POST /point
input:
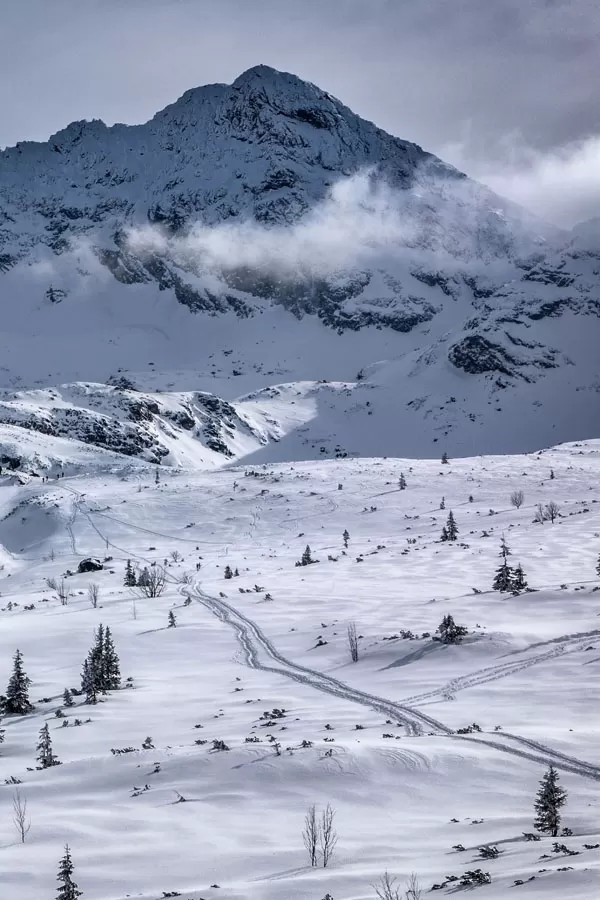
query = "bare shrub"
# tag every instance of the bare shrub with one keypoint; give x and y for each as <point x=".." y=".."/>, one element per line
<point x="52" y="583"/>
<point x="175" y="556"/>
<point x="310" y="834"/>
<point x="353" y="642"/>
<point x="413" y="888"/>
<point x="152" y="582"/>
<point x="93" y="594"/>
<point x="540" y="514"/>
<point x="552" y="511"/>
<point x="327" y="835"/>
<point x="387" y="887"/>
<point x="21" y="820"/>
<point x="62" y="592"/>
<point x="517" y="498"/>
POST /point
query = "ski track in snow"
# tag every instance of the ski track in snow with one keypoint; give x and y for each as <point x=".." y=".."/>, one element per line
<point x="252" y="640"/>
<point x="494" y="673"/>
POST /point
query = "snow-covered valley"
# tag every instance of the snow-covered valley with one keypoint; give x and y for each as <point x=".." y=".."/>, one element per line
<point x="261" y="662"/>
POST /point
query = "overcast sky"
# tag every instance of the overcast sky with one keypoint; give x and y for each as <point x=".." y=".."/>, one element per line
<point x="505" y="89"/>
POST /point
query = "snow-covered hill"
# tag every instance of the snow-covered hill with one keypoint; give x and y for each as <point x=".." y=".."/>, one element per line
<point x="193" y="779"/>
<point x="260" y="234"/>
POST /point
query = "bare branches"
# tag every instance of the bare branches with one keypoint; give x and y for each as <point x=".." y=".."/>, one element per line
<point x="517" y="498"/>
<point x="413" y="888"/>
<point x="20" y="818"/>
<point x="320" y="837"/>
<point x="328" y="835"/>
<point x="310" y="835"/>
<point x="353" y="642"/>
<point x="552" y="511"/>
<point x="386" y="888"/>
<point x="93" y="594"/>
<point x="152" y="582"/>
<point x="62" y="591"/>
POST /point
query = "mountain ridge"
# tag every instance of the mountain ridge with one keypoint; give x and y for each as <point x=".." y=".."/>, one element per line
<point x="239" y="214"/>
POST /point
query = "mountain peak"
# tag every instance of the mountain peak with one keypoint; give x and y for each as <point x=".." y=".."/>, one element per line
<point x="260" y="73"/>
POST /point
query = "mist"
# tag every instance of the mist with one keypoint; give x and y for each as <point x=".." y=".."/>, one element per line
<point x="359" y="219"/>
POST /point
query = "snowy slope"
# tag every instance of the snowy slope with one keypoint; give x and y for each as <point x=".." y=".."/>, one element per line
<point x="261" y="234"/>
<point x="383" y="746"/>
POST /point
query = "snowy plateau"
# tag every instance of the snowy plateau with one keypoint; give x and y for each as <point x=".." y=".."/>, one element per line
<point x="308" y="420"/>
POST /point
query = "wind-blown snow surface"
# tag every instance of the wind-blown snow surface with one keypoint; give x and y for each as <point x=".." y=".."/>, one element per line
<point x="528" y="674"/>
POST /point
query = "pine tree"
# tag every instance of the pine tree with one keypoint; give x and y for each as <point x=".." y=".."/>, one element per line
<point x="68" y="697"/>
<point x="504" y="580"/>
<point x="598" y="567"/>
<point x="17" y="692"/>
<point x="156" y="476"/>
<point x="96" y="659"/>
<point x="68" y="890"/>
<point x="444" y="534"/>
<point x="443" y="503"/>
<point x="451" y="527"/>
<point x="346" y="537"/>
<point x="130" y="579"/>
<point x="1" y="731"/>
<point x="519" y="582"/>
<point x="549" y="801"/>
<point x="228" y="573"/>
<point x="306" y="557"/>
<point x="172" y="619"/>
<point x="402" y="482"/>
<point x="46" y="757"/>
<point x="88" y="682"/>
<point x="504" y="548"/>
<point x="111" y="670"/>
<point x="450" y="632"/>
<point x="445" y="458"/>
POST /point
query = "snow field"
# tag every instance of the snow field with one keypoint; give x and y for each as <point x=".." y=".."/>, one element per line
<point x="531" y="668"/>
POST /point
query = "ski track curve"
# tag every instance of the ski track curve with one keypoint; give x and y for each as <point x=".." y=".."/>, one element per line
<point x="252" y="640"/>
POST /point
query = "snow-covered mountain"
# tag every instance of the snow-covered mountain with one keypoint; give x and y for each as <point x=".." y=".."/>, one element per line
<point x="259" y="235"/>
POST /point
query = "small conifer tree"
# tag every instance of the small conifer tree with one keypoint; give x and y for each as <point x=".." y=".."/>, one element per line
<point x="307" y="557"/>
<point x="519" y="582"/>
<point x="111" y="671"/>
<point x="445" y="458"/>
<point x="130" y="579"/>
<point x="598" y="567"/>
<point x="548" y="804"/>
<point x="68" y="697"/>
<point x="503" y="580"/>
<point x="402" y="482"/>
<point x="46" y="757"/>
<point x="172" y="619"/>
<point x="228" y="572"/>
<point x="88" y="682"/>
<point x="444" y="536"/>
<point x="443" y="503"/>
<point x="450" y="632"/>
<point x="346" y="537"/>
<point x="67" y="890"/>
<point x="17" y="693"/>
<point x="451" y="527"/>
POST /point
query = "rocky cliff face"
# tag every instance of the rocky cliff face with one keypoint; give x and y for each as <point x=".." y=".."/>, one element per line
<point x="266" y="221"/>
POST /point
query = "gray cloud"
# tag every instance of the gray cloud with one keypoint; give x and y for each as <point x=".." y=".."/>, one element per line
<point x="462" y="75"/>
